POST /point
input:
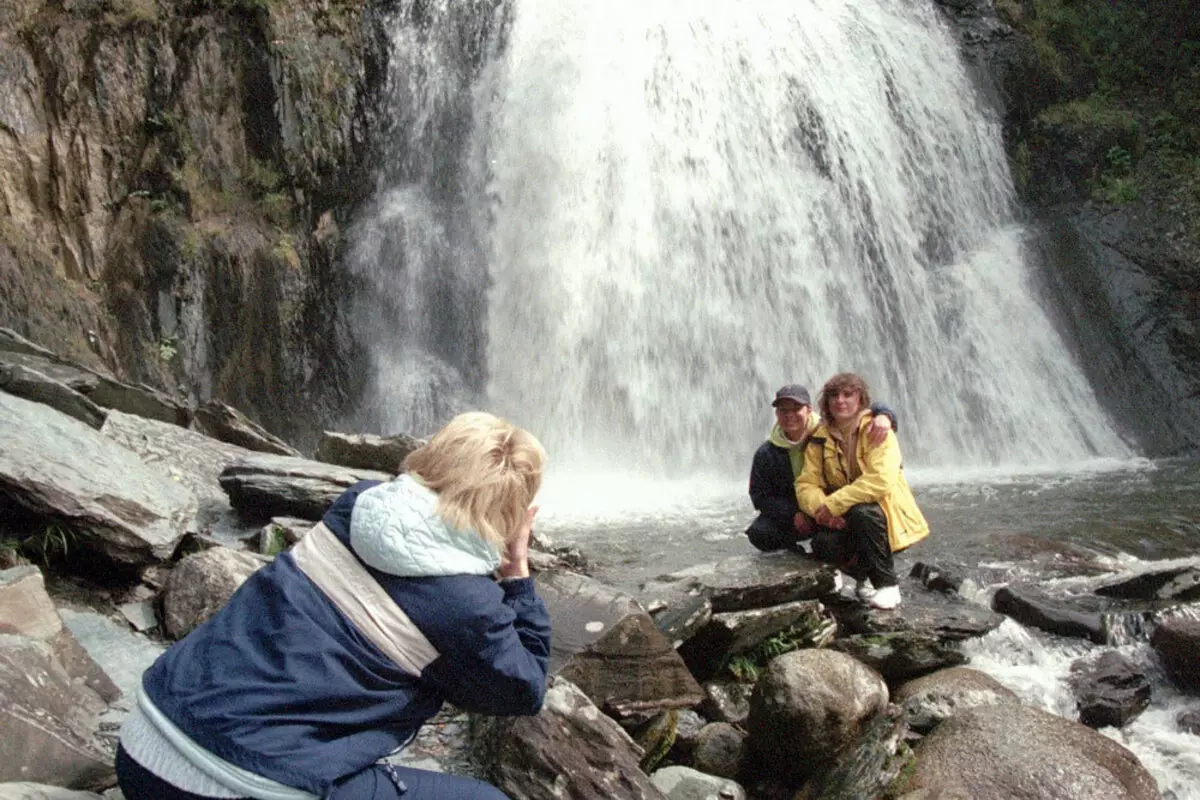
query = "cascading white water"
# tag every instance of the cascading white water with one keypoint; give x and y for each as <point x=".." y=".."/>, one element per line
<point x="685" y="205"/>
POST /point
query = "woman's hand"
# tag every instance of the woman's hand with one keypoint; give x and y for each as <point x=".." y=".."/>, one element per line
<point x="514" y="560"/>
<point x="880" y="425"/>
<point x="825" y="517"/>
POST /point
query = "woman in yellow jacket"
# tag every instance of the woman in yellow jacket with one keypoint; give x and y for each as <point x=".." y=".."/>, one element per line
<point x="857" y="494"/>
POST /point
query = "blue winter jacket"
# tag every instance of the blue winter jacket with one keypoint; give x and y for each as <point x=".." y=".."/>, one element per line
<point x="282" y="682"/>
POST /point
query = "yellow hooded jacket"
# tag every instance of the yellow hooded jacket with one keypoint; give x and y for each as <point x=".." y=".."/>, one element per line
<point x="825" y="481"/>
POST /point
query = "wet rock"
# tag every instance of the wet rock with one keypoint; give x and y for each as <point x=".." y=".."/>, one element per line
<point x="656" y="737"/>
<point x="201" y="585"/>
<point x="545" y="556"/>
<point x="679" y="607"/>
<point x="99" y="388"/>
<point x="727" y="701"/>
<point x="900" y="656"/>
<point x="758" y="580"/>
<point x="930" y="700"/>
<point x="806" y="707"/>
<point x="189" y="458"/>
<point x="56" y="466"/>
<point x="866" y="767"/>
<point x="140" y="615"/>
<point x="27" y="610"/>
<point x="264" y="485"/>
<point x="683" y="783"/>
<point x="366" y="450"/>
<point x="687" y="727"/>
<point x="607" y="645"/>
<point x="1051" y="614"/>
<point x="38" y="388"/>
<point x="720" y="750"/>
<point x="1003" y="751"/>
<point x="1181" y="583"/>
<point x="1189" y="721"/>
<point x="735" y="632"/>
<point x="939" y="577"/>
<point x="1109" y="690"/>
<point x="569" y="751"/>
<point x="48" y="728"/>
<point x="1177" y="642"/>
<point x="225" y="423"/>
<point x="40" y="791"/>
<point x="947" y="618"/>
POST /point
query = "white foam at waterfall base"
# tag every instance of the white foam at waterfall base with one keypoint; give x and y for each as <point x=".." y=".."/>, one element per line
<point x="686" y="205"/>
<point x="1035" y="666"/>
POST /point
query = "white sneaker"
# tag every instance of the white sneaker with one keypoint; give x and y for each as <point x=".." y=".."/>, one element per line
<point x="838" y="583"/>
<point x="864" y="591"/>
<point x="886" y="598"/>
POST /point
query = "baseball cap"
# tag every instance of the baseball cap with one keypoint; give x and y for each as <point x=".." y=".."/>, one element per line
<point x="793" y="391"/>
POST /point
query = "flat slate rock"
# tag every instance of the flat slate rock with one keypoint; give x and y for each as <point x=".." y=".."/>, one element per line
<point x="945" y="617"/>
<point x="1180" y="582"/>
<point x="758" y="580"/>
<point x="1058" y="615"/>
<point x="59" y="467"/>
<point x="606" y="644"/>
<point x="33" y="385"/>
<point x="224" y="422"/>
<point x="262" y="485"/>
<point x="366" y="450"/>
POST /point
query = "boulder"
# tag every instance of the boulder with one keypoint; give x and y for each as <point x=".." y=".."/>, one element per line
<point x="101" y="389"/>
<point x="189" y="458"/>
<point x="27" y="610"/>
<point x="1110" y="690"/>
<point x="947" y="618"/>
<point x="930" y="700"/>
<point x="998" y="752"/>
<point x="1177" y="642"/>
<point x="201" y="585"/>
<point x="226" y="423"/>
<point x="39" y="791"/>
<point x="48" y="722"/>
<point x="569" y="751"/>
<point x="727" y="701"/>
<point x="758" y="580"/>
<point x="720" y="750"/>
<point x="735" y="632"/>
<point x="1180" y="582"/>
<point x="1061" y="616"/>
<point x="939" y="577"/>
<point x="56" y="466"/>
<point x="683" y="783"/>
<point x="656" y="737"/>
<point x="900" y="656"/>
<point x="688" y="725"/>
<point x="607" y="645"/>
<point x="366" y="450"/>
<point x="265" y="485"/>
<point x="1189" y="721"/>
<point x="806" y="707"/>
<point x="38" y="388"/>
<point x="866" y="767"/>
<point x="679" y="607"/>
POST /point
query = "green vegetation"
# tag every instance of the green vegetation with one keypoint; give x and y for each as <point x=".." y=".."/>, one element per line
<point x="746" y="667"/>
<point x="1133" y="71"/>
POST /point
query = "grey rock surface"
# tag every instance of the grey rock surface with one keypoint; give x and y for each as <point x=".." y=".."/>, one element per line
<point x="366" y="450"/>
<point x="264" y="485"/>
<point x="40" y="791"/>
<point x="930" y="700"/>
<point x="201" y="585"/>
<point x="734" y="632"/>
<point x="225" y="423"/>
<point x="998" y="752"/>
<point x="57" y="466"/>
<point x="33" y="385"/>
<point x="1110" y="690"/>
<point x="720" y="750"/>
<point x="758" y="580"/>
<point x="684" y="783"/>
<point x="1177" y="643"/>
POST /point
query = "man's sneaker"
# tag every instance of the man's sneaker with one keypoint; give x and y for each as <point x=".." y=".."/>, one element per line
<point x="838" y="583"/>
<point x="886" y="598"/>
<point x="864" y="591"/>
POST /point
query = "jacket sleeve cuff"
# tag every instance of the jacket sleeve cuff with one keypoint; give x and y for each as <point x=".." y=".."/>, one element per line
<point x="516" y="587"/>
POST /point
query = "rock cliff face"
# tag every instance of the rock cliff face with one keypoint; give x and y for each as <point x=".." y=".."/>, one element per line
<point x="1100" y="119"/>
<point x="174" y="176"/>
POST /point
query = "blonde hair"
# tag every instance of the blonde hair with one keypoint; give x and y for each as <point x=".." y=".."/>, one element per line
<point x="485" y="471"/>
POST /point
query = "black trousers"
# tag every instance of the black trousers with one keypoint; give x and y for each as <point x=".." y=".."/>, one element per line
<point x="861" y="550"/>
<point x="766" y="534"/>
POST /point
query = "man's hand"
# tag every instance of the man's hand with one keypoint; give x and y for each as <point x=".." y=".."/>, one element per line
<point x="803" y="524"/>
<point x="826" y="519"/>
<point x="880" y="425"/>
<point x="514" y="560"/>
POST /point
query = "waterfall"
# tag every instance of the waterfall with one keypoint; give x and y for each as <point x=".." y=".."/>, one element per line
<point x="677" y="207"/>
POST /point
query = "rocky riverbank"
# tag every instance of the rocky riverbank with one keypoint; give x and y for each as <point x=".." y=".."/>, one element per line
<point x="750" y="677"/>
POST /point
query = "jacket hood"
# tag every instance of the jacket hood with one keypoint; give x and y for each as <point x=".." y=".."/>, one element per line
<point x="778" y="438"/>
<point x="395" y="529"/>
